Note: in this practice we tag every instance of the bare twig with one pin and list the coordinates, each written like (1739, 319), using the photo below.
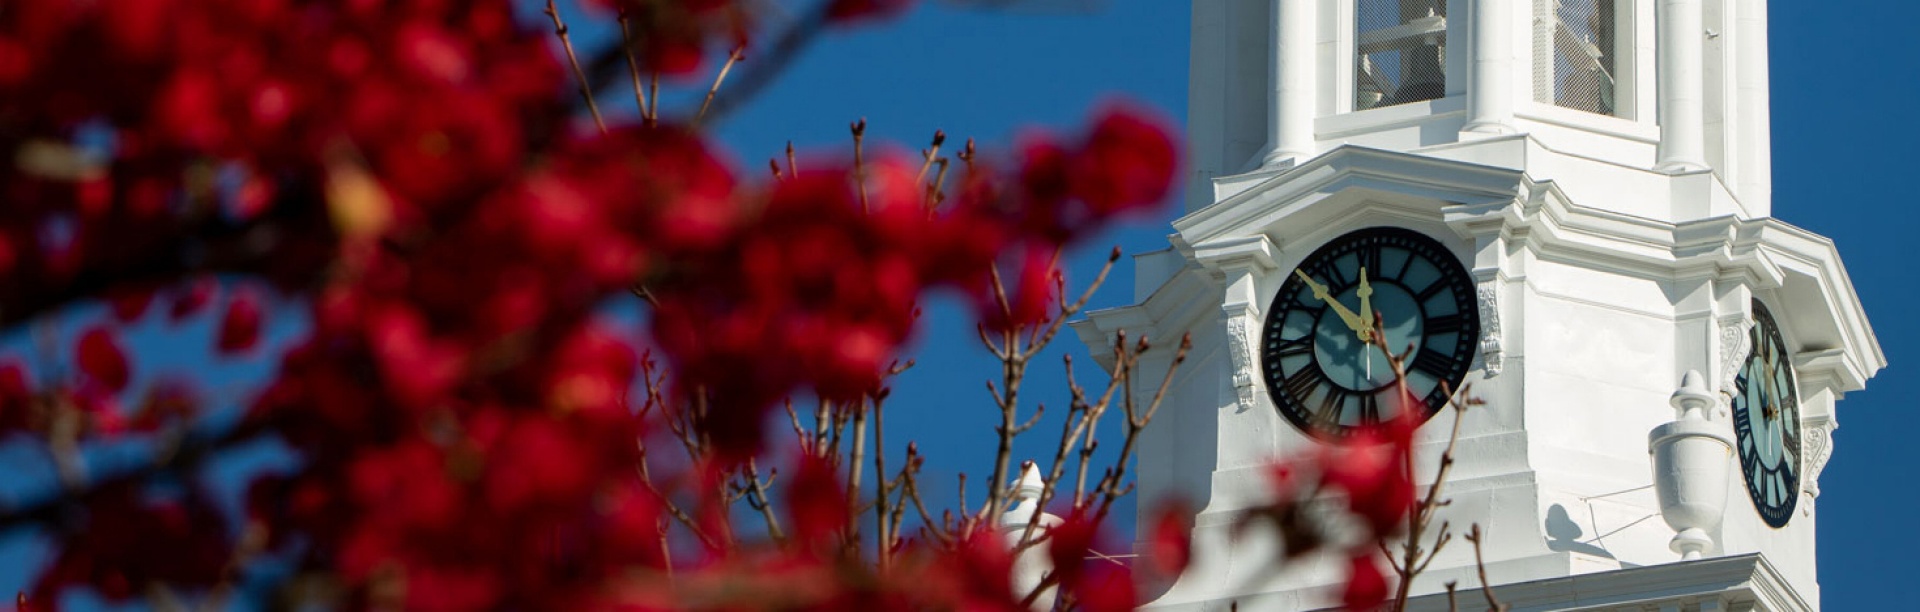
(733, 57)
(1068, 310)
(792, 168)
(1480, 563)
(566, 43)
(758, 499)
(653, 93)
(859, 129)
(932, 153)
(633, 65)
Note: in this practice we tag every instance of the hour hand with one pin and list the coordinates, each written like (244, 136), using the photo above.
(1354, 322)
(1366, 298)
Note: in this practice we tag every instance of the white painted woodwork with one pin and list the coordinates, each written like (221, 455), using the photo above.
(1610, 259)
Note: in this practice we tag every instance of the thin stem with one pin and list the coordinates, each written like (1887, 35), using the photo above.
(1067, 311)
(566, 43)
(881, 511)
(633, 65)
(859, 129)
(932, 153)
(792, 168)
(1136, 423)
(759, 491)
(733, 57)
(856, 463)
(1480, 564)
(653, 93)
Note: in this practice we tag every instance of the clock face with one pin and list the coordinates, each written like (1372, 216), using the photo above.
(1766, 422)
(1323, 374)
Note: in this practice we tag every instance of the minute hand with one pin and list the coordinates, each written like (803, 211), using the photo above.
(1354, 322)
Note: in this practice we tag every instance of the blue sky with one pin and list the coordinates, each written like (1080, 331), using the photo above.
(1843, 83)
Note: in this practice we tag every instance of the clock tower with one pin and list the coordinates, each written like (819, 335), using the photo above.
(1565, 203)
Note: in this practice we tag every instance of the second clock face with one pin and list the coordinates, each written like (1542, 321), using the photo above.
(1321, 372)
(1766, 422)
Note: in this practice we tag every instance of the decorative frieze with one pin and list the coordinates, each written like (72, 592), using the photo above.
(1490, 351)
(1240, 347)
(1734, 346)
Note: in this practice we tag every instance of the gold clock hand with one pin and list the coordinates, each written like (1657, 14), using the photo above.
(1354, 322)
(1766, 357)
(1366, 305)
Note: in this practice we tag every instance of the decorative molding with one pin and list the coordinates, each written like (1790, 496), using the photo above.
(1240, 348)
(1490, 350)
(1816, 449)
(1735, 343)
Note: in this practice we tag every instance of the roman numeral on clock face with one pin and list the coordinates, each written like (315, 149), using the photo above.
(1431, 290)
(1434, 363)
(1369, 257)
(1444, 324)
(1332, 406)
(1300, 385)
(1288, 348)
(1336, 277)
(1369, 409)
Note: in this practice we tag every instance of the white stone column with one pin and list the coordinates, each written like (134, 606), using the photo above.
(1755, 182)
(1490, 97)
(1290, 102)
(1683, 140)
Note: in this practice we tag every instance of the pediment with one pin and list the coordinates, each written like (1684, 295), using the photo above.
(1350, 180)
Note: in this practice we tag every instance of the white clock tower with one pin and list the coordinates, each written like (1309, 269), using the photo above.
(1598, 172)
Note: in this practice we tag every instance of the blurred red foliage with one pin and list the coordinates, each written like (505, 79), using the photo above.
(410, 174)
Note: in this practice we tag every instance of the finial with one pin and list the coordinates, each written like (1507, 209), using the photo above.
(1692, 395)
(1691, 468)
(1030, 486)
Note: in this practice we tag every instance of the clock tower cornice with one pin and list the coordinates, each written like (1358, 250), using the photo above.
(1294, 202)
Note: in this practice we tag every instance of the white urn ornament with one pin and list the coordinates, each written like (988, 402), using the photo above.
(1691, 464)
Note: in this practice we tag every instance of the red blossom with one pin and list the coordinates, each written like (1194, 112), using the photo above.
(1366, 585)
(1109, 590)
(630, 529)
(100, 357)
(9, 254)
(15, 396)
(975, 572)
(1031, 296)
(817, 502)
(847, 11)
(240, 326)
(1128, 162)
(1170, 543)
(193, 296)
(128, 303)
(417, 368)
(1373, 473)
(1069, 545)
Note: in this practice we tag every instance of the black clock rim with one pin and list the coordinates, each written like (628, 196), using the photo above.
(1776, 517)
(1465, 351)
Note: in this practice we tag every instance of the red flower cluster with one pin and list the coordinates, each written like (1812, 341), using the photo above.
(402, 171)
(140, 540)
(817, 289)
(1370, 472)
